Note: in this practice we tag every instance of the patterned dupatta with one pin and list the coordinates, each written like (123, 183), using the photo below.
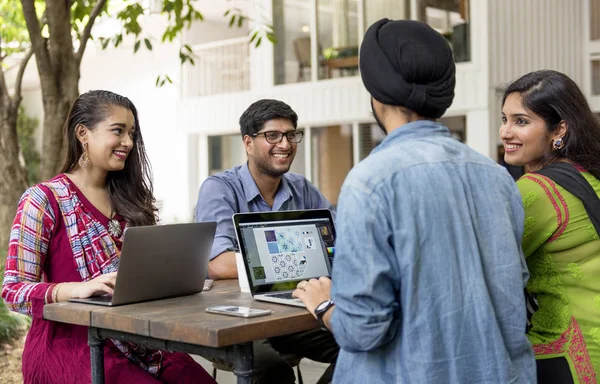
(96, 252)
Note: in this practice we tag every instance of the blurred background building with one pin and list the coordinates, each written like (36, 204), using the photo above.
(191, 127)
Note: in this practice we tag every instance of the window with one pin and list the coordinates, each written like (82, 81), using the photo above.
(336, 34)
(596, 77)
(291, 24)
(370, 135)
(225, 152)
(331, 158)
(338, 38)
(594, 20)
(451, 19)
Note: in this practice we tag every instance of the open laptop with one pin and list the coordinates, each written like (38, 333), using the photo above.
(159, 262)
(280, 249)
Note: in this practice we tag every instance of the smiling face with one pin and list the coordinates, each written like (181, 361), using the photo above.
(271, 159)
(525, 135)
(111, 140)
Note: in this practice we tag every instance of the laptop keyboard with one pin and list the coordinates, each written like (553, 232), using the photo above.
(285, 295)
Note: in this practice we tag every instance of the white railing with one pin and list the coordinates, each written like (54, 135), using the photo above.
(221, 67)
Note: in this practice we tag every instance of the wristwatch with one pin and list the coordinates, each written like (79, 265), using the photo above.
(320, 311)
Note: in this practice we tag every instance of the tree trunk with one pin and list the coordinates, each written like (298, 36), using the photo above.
(13, 175)
(53, 145)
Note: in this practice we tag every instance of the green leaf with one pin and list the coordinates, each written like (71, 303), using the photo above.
(148, 44)
(240, 21)
(157, 80)
(258, 42)
(227, 12)
(168, 79)
(136, 46)
(254, 35)
(271, 37)
(231, 21)
(188, 48)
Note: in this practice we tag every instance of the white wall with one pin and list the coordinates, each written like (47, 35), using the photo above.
(529, 35)
(134, 76)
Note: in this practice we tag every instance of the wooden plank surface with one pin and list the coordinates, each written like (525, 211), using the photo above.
(184, 319)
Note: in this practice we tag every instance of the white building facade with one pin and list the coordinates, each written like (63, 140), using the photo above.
(191, 128)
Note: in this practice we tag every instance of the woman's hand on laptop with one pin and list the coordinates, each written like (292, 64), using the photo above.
(313, 292)
(103, 284)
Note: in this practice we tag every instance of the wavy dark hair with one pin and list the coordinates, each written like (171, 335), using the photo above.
(130, 189)
(555, 97)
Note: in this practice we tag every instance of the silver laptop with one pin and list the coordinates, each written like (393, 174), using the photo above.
(159, 262)
(283, 248)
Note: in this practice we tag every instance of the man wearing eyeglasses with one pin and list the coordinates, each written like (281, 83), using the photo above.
(270, 137)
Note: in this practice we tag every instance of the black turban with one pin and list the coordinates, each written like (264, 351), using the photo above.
(407, 63)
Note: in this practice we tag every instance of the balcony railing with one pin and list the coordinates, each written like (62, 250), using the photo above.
(221, 67)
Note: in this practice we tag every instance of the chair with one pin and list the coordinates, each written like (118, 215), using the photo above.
(291, 359)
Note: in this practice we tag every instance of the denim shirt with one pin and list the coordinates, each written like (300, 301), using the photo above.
(429, 273)
(234, 191)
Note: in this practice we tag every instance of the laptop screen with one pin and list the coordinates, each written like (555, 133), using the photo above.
(279, 252)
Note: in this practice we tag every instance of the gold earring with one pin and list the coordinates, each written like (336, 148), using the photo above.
(84, 160)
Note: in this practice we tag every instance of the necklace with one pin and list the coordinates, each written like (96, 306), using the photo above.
(114, 228)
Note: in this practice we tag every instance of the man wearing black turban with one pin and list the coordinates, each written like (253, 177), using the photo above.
(429, 273)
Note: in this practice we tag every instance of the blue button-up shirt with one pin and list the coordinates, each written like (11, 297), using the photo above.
(429, 274)
(234, 191)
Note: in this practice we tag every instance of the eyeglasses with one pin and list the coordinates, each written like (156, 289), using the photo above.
(275, 137)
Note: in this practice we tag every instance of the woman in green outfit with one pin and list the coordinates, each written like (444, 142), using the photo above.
(546, 119)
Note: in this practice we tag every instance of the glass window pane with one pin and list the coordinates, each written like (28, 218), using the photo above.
(370, 135)
(338, 38)
(457, 126)
(331, 158)
(451, 19)
(298, 166)
(595, 77)
(392, 9)
(291, 24)
(225, 152)
(594, 20)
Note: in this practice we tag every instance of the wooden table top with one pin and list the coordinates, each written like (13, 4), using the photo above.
(184, 319)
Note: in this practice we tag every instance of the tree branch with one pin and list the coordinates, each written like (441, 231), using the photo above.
(20, 73)
(87, 31)
(35, 34)
(3, 87)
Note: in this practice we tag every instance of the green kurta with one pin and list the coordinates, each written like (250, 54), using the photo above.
(562, 250)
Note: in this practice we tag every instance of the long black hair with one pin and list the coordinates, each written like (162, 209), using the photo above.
(555, 97)
(130, 189)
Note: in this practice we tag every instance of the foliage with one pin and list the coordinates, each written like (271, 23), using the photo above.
(13, 33)
(181, 14)
(26, 129)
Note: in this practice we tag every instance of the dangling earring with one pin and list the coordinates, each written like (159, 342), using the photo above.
(558, 143)
(84, 160)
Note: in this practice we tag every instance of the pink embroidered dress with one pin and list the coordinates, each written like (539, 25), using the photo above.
(59, 236)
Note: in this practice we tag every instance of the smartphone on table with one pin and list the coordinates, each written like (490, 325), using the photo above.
(236, 310)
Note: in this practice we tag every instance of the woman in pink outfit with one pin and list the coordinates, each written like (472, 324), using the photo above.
(65, 243)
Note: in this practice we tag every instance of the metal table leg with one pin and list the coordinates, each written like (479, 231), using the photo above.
(243, 362)
(96, 344)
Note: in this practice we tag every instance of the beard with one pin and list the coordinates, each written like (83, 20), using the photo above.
(379, 123)
(266, 168)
